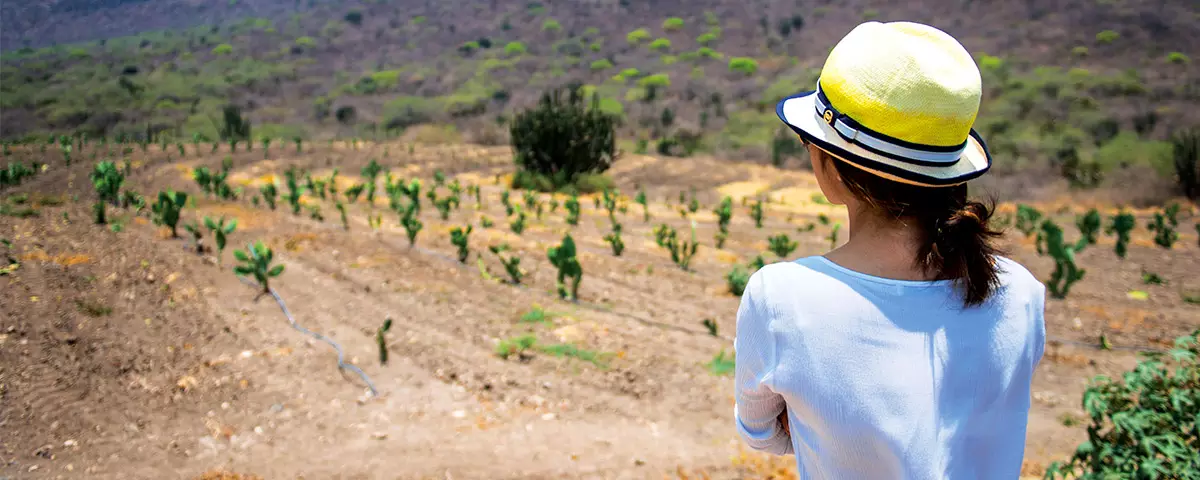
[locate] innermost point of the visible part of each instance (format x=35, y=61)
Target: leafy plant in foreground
x=1066, y=273
x=458, y=237
x=107, y=181
x=563, y=258
x=512, y=263
x=197, y=236
x=220, y=229
x=614, y=240
x=1122, y=223
x=166, y=210
x=1163, y=226
x=381, y=341
x=1144, y=424
x=256, y=262
x=781, y=245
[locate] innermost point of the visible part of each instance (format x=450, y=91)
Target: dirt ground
x=128, y=355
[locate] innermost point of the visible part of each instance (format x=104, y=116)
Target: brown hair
x=956, y=242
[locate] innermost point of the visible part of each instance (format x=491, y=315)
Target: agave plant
x=256, y=262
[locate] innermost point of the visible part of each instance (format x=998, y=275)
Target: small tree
x=562, y=138
x=235, y=127
x=563, y=258
x=1143, y=423
x=1121, y=224
x=256, y=262
x=614, y=240
x=512, y=263
x=220, y=229
x=458, y=237
x=166, y=210
x=781, y=245
x=1163, y=226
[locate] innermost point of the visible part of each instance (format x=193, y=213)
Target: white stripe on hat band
x=868, y=140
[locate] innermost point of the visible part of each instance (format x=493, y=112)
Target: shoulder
x=1014, y=277
x=776, y=279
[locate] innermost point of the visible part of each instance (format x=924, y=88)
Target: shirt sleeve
x=1039, y=324
x=757, y=406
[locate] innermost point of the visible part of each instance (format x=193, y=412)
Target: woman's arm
x=758, y=410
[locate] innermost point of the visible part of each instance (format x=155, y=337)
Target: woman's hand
x=783, y=422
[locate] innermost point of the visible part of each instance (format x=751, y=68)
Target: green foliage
x=710, y=325
x=1163, y=226
x=107, y=180
x=512, y=263
x=721, y=364
x=381, y=341
x=354, y=17
x=1178, y=58
x=601, y=64
x=220, y=230
x=518, y=225
x=1066, y=272
x=551, y=25
x=641, y=200
x=658, y=80
x=833, y=235
x=737, y=279
x=515, y=346
x=1107, y=36
x=293, y=196
x=637, y=36
x=513, y=49
x=572, y=206
x=681, y=252
x=1185, y=151
x=166, y=210
x=1027, y=219
x=1089, y=225
x=756, y=212
x=1151, y=278
x=1143, y=425
x=371, y=173
x=744, y=65
x=781, y=245
x=256, y=262
x=222, y=49
x=673, y=23
x=15, y=173
x=412, y=226
x=609, y=200
x=306, y=42
x=458, y=237
x=562, y=138
x=614, y=240
x=563, y=258
x=661, y=44
x=352, y=193
x=724, y=213
x=444, y=205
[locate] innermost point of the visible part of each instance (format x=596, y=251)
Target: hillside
x=1101, y=83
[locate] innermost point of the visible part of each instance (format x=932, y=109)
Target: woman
x=908, y=352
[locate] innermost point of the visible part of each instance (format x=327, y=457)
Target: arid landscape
x=128, y=355
x=130, y=348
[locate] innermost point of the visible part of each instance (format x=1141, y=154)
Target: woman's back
x=889, y=378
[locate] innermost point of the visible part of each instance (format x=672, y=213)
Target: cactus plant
x=444, y=205
x=371, y=174
x=256, y=262
x=518, y=225
x=640, y=199
x=197, y=236
x=1066, y=272
x=1027, y=219
x=342, y=213
x=293, y=196
x=724, y=213
x=269, y=194
x=1121, y=224
x=781, y=245
x=737, y=279
x=610, y=203
x=563, y=258
x=504, y=200
x=756, y=212
x=614, y=240
x=412, y=226
x=354, y=191
x=681, y=253
x=220, y=230
x=166, y=210
x=572, y=206
x=512, y=263
x=1163, y=226
x=458, y=237
x=381, y=340
x=1089, y=225
x=107, y=181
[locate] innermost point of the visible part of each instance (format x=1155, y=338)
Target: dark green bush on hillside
x=1186, y=150
x=563, y=138
x=354, y=17
x=1146, y=425
x=234, y=126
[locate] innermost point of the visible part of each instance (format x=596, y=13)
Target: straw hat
x=898, y=100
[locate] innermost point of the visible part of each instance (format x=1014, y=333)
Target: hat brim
x=799, y=112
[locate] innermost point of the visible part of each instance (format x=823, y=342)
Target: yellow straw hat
x=898, y=100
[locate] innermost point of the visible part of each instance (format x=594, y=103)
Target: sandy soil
x=128, y=355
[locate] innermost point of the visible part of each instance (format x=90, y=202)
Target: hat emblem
x=828, y=116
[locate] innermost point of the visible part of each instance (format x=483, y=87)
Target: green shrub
x=781, y=245
x=737, y=279
x=1185, y=151
x=1178, y=58
x=306, y=42
x=1027, y=219
x=637, y=36
x=220, y=230
x=166, y=211
x=744, y=65
x=706, y=38
x=1121, y=224
x=562, y=138
x=512, y=263
x=658, y=80
x=514, y=48
x=563, y=259
x=551, y=25
x=660, y=44
x=614, y=240
x=1089, y=225
x=673, y=23
x=1143, y=425
x=353, y=17
x=458, y=238
x=1079, y=51
x=222, y=49
x=1164, y=225
x=601, y=64
x=1107, y=36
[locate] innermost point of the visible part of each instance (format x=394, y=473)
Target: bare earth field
x=190, y=373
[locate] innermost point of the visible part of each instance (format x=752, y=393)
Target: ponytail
x=956, y=242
